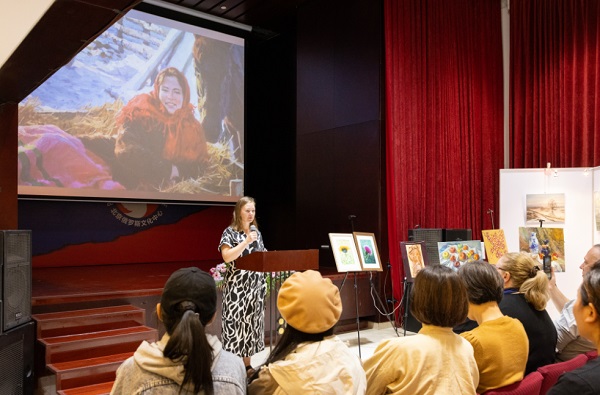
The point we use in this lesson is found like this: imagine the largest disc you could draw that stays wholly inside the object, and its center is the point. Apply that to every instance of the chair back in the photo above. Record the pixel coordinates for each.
(553, 371)
(530, 385)
(592, 354)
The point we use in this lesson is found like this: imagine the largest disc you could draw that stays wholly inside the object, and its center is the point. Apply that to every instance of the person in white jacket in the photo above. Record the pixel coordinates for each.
(186, 360)
(309, 359)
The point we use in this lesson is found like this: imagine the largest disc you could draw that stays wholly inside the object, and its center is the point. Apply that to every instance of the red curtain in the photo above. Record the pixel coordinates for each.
(555, 83)
(444, 117)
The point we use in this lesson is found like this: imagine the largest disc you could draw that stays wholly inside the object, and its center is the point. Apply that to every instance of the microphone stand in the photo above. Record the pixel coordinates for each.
(351, 219)
(491, 213)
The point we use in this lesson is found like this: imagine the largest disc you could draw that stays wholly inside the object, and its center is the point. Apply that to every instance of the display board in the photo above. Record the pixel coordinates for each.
(578, 186)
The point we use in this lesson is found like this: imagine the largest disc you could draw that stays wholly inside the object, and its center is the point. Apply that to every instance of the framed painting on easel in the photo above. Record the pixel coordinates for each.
(344, 252)
(367, 251)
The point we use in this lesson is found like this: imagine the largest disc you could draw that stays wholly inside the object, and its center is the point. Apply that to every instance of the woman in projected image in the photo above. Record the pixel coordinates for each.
(160, 141)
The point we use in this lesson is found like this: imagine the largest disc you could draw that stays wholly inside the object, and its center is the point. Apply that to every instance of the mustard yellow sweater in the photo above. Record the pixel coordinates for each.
(501, 347)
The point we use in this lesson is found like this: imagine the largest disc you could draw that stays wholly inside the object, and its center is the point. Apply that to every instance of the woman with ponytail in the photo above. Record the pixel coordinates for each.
(186, 360)
(525, 298)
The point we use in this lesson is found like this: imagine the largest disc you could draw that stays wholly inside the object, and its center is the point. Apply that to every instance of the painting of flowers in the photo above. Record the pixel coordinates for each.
(344, 252)
(495, 244)
(537, 241)
(368, 253)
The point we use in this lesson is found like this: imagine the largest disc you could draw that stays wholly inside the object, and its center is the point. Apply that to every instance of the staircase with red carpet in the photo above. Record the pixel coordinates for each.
(84, 348)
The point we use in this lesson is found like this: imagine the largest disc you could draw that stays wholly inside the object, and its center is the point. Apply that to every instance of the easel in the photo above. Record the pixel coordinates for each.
(351, 218)
(356, 303)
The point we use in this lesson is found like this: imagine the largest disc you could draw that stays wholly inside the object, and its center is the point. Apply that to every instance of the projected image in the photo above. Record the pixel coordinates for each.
(152, 109)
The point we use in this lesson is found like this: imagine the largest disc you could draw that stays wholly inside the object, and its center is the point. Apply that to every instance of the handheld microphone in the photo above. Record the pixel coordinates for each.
(254, 229)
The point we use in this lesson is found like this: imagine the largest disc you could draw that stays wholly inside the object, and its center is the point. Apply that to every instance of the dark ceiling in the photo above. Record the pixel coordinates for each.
(69, 25)
(266, 14)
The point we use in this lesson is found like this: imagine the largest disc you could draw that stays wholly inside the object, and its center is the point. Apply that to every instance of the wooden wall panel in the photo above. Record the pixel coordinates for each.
(8, 166)
(340, 133)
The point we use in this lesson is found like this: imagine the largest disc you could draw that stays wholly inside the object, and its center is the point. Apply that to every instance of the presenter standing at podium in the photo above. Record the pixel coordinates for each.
(244, 292)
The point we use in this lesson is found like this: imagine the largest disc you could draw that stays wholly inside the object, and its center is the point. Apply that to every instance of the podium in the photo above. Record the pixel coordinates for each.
(279, 261)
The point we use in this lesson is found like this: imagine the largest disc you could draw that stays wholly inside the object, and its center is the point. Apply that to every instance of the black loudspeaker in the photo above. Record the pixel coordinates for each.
(17, 360)
(457, 234)
(15, 285)
(431, 237)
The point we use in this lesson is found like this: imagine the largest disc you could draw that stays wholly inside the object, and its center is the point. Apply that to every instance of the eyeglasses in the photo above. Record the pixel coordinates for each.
(500, 268)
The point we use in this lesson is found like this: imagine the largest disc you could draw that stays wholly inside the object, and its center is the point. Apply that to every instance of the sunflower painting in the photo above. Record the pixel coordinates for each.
(345, 252)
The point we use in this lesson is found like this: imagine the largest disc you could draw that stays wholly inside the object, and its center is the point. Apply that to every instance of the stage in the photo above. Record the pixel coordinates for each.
(63, 288)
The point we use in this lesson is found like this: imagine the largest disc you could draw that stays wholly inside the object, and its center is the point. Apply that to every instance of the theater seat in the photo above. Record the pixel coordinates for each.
(553, 371)
(530, 385)
(592, 354)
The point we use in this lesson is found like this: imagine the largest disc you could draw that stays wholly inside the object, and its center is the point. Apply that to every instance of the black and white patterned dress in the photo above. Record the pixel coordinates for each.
(243, 321)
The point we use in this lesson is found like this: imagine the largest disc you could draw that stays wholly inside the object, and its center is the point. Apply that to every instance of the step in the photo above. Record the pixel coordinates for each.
(80, 321)
(95, 389)
(95, 344)
(81, 372)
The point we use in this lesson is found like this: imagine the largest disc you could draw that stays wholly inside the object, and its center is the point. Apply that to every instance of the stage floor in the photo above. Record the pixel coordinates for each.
(90, 283)
(76, 284)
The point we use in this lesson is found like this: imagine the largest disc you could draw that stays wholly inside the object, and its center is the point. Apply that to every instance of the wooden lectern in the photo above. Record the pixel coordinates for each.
(279, 261)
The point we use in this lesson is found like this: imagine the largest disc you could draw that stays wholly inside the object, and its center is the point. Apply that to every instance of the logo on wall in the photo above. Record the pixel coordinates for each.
(137, 215)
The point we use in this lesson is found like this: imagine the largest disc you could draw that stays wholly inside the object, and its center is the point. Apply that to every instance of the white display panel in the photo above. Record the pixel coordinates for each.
(579, 227)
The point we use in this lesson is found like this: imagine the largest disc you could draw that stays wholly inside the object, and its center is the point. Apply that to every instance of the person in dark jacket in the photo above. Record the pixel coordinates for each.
(525, 298)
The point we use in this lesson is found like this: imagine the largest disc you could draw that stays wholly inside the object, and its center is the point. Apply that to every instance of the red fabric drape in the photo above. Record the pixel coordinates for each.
(555, 83)
(444, 116)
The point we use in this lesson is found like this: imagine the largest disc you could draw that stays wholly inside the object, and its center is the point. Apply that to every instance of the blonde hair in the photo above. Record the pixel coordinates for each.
(527, 276)
(236, 221)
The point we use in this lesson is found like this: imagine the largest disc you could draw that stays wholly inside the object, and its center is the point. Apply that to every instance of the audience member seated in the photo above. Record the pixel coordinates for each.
(436, 360)
(186, 360)
(308, 358)
(525, 298)
(500, 342)
(586, 379)
(570, 343)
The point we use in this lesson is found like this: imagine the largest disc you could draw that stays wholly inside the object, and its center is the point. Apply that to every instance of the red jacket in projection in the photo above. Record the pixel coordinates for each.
(151, 141)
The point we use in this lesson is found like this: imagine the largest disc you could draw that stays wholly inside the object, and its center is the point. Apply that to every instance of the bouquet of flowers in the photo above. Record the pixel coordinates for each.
(218, 272)
(275, 279)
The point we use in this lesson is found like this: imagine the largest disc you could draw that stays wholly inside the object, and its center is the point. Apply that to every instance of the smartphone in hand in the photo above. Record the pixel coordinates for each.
(547, 266)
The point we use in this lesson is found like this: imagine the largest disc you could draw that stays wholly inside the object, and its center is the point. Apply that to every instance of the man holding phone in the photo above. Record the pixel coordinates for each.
(569, 343)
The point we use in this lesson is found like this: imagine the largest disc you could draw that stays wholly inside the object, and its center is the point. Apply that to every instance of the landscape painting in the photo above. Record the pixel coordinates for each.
(550, 208)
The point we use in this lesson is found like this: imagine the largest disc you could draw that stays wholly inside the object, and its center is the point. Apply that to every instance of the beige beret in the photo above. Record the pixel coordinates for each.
(309, 302)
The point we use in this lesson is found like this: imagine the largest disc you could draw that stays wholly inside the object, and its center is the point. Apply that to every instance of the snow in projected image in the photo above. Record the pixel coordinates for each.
(105, 126)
